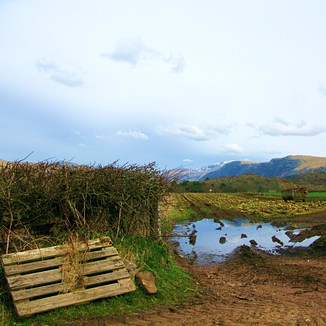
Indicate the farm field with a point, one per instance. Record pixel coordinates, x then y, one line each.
252 287
255 206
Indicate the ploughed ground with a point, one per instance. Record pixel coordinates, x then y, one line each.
250 288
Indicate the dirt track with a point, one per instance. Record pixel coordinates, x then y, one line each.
250 289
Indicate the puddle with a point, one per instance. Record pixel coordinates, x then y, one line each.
208 240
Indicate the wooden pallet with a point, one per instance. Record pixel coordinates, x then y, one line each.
36 278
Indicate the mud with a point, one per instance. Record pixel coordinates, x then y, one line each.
251 288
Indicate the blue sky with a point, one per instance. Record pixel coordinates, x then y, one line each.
181 83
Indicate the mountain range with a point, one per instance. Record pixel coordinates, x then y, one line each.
277 167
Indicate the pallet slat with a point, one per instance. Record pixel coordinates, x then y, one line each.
43 253
102 266
35 277
35 266
62 300
22 281
58 261
58 287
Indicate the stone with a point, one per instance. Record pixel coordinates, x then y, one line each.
222 240
253 242
146 281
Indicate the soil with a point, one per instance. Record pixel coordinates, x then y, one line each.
251 288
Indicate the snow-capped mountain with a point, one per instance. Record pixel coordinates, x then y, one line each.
197 173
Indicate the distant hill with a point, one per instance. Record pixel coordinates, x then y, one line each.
195 174
277 167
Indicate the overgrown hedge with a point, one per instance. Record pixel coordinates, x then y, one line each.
51 198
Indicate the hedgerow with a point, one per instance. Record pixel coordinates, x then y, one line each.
51 198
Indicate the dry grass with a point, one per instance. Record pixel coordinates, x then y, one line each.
309 162
73 266
49 199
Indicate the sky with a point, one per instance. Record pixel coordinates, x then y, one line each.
181 83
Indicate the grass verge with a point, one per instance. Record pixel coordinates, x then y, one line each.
173 283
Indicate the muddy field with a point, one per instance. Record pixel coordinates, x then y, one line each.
251 287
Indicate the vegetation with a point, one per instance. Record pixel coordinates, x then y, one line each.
173 283
44 203
313 181
259 206
51 199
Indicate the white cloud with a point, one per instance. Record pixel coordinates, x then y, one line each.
188 160
233 148
322 90
185 131
177 63
134 51
67 78
100 136
46 65
135 134
193 132
283 128
57 74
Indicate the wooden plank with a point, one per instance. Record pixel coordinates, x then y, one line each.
58 287
105 252
32 255
102 266
34 266
36 292
34 279
60 250
55 275
28 308
108 277
52 262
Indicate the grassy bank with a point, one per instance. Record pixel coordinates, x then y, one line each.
173 283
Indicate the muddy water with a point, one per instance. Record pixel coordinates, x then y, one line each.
209 240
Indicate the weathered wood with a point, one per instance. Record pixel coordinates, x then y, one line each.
57 261
58 287
28 308
22 281
60 250
34 266
102 266
37 292
105 278
36 278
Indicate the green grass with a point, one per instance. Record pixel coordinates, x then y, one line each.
311 194
173 283
178 216
317 194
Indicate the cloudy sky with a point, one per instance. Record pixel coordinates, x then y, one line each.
181 83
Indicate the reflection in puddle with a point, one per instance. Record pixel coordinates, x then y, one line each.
209 240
